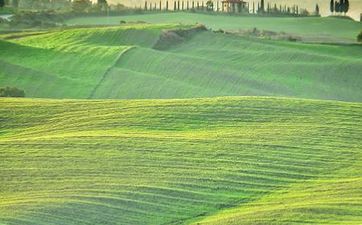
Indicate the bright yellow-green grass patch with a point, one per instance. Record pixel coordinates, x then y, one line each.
271 160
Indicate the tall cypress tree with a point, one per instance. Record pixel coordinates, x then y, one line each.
341 6
317 9
332 6
262 8
346 6
101 2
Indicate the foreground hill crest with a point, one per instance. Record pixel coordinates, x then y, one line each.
180 161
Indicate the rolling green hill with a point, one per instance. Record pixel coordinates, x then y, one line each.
68 63
121 62
225 65
311 29
253 159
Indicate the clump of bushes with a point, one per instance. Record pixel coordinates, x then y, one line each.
220 31
359 37
173 37
12 92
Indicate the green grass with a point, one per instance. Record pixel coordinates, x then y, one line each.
316 202
69 63
197 160
254 159
224 65
312 29
119 62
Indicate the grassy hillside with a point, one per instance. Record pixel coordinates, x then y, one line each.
335 200
312 29
224 65
180 161
120 62
68 63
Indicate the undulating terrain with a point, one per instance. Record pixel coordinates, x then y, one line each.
180 161
172 122
125 62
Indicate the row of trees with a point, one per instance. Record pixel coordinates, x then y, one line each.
86 5
341 6
36 4
231 7
76 5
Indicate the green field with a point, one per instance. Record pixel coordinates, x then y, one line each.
165 122
311 29
69 63
120 62
252 159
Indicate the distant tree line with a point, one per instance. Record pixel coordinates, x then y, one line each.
260 7
11 92
76 5
7 2
341 6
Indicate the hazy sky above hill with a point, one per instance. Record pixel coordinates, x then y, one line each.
356 5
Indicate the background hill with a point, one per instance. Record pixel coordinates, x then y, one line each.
355 9
311 29
121 62
271 160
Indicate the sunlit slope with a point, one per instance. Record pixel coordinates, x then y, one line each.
312 29
336 200
69 63
177 161
225 65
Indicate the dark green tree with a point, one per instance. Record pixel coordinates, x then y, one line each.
336 6
332 6
101 2
341 6
102 5
262 7
209 5
81 5
346 6
2 3
317 9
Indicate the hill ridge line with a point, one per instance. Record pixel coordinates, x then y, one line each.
108 70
